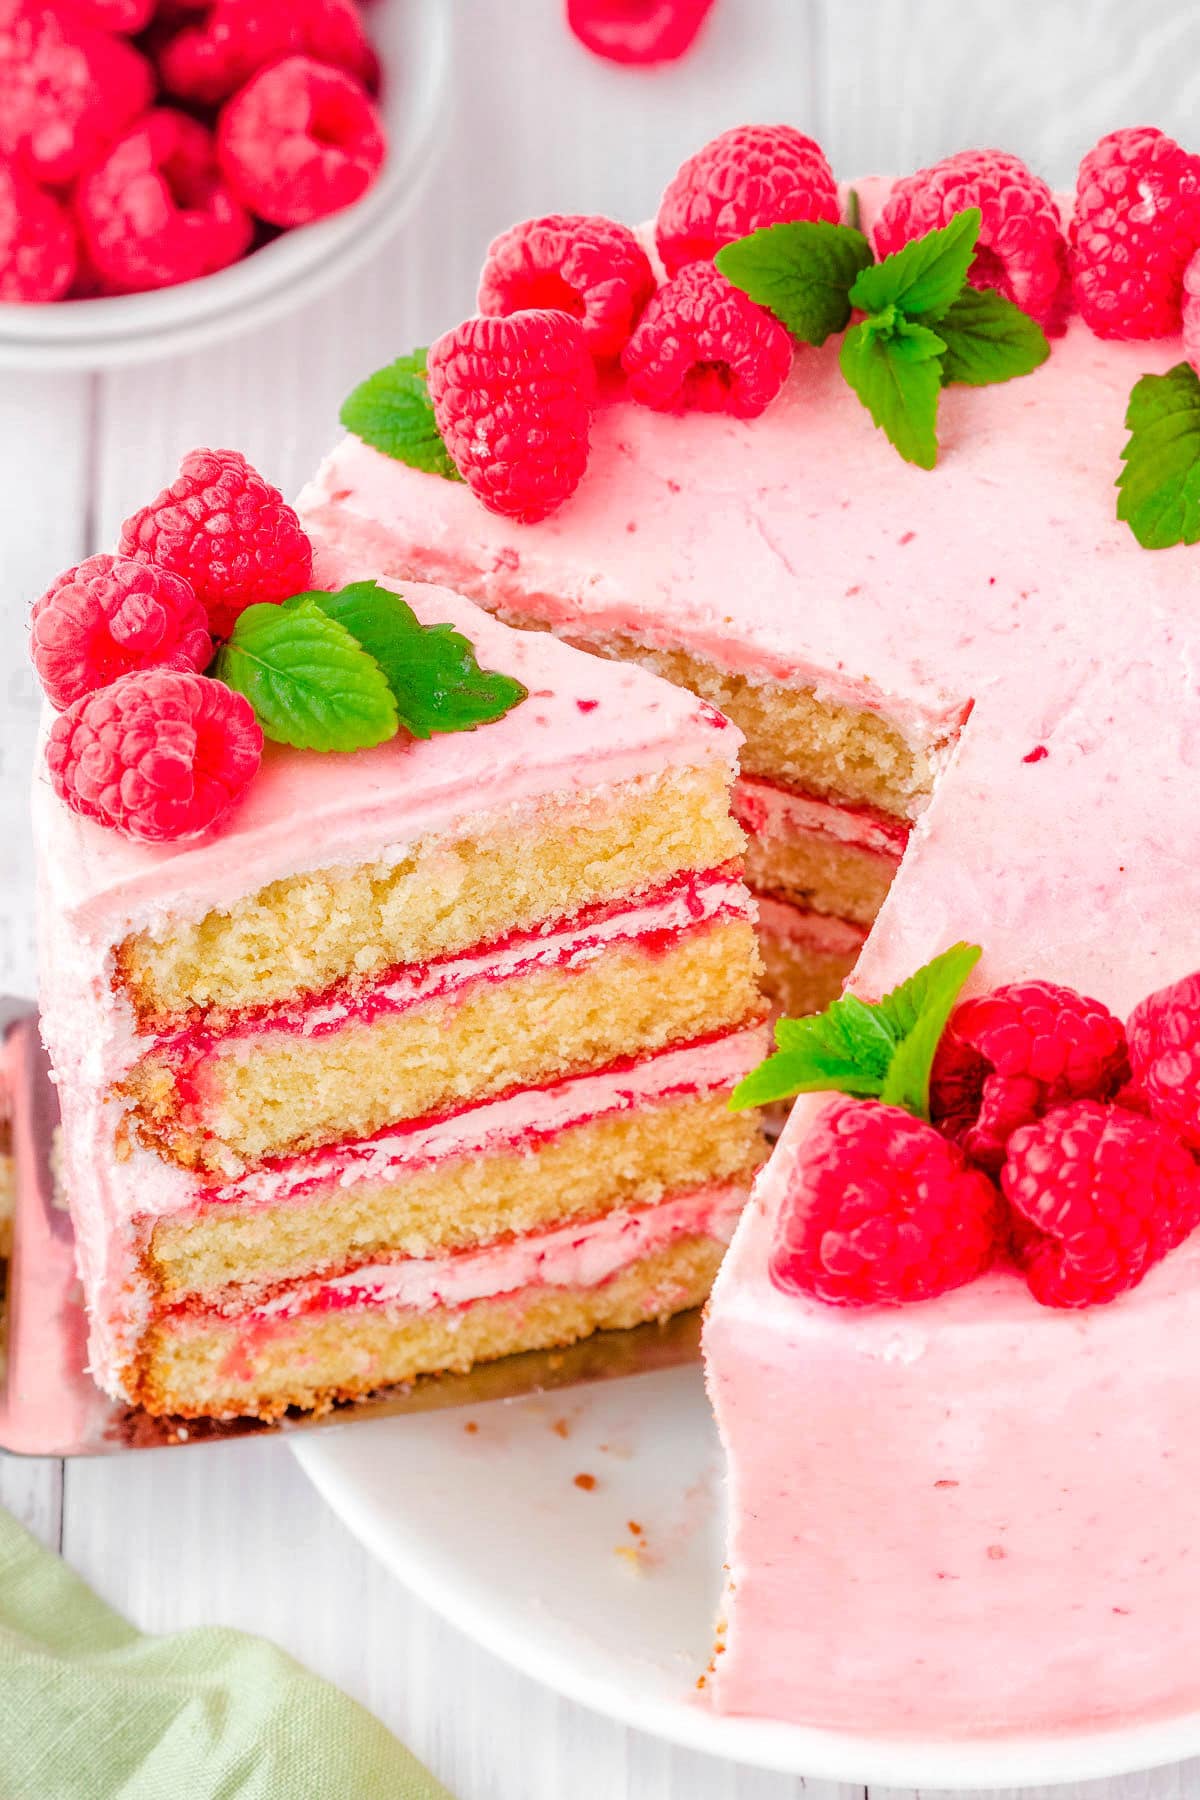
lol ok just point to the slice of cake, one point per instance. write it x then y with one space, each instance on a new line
420 1054
939 573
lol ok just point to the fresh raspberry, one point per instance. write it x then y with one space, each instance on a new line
111 615
1164 1055
702 345
156 211
513 400
224 43
300 141
68 89
1009 1056
1191 312
125 17
592 268
159 755
1020 251
38 254
227 531
881 1209
1099 1196
637 31
1135 226
751 176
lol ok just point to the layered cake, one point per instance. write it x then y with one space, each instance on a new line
903 481
391 1058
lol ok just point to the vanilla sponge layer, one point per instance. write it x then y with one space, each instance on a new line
841 753
280 1093
583 1171
302 934
195 1366
821 874
807 957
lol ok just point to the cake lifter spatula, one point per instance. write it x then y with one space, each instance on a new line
49 1404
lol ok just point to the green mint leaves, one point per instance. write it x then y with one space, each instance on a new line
308 679
924 326
803 273
436 682
1159 485
346 671
391 410
883 1050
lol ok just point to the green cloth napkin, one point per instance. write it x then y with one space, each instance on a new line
92 1710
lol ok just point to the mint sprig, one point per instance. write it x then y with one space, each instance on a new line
431 670
391 410
802 272
881 1050
1159 484
923 328
347 670
310 682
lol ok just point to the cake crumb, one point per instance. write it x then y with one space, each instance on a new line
470 1425
634 1527
586 1482
561 1428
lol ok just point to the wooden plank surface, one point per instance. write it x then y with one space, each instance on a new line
235 1533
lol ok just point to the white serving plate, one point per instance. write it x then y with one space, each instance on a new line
413 38
489 1528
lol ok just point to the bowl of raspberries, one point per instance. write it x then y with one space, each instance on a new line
175 171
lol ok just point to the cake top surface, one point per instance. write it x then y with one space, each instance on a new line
584 724
999 588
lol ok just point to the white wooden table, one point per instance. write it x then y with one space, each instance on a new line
234 1533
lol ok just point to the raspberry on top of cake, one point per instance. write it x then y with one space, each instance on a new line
396 967
902 477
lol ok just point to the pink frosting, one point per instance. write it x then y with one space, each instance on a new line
780 815
821 933
970 1515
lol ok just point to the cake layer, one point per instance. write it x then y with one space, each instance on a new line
625 1159
823 858
307 931
567 1007
972 1515
807 957
196 1365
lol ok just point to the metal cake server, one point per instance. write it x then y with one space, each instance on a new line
49 1404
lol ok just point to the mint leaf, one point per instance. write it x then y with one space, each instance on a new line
802 272
917 1012
1160 483
895 369
436 682
883 1050
310 682
391 410
924 276
989 339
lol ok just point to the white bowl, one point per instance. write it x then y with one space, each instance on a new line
413 40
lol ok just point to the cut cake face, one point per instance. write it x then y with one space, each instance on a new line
421 1057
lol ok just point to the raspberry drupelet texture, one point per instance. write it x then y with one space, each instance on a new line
300 141
882 1209
592 268
125 17
752 176
1135 226
1021 251
1190 320
1164 1055
513 400
227 531
215 51
156 209
637 31
1099 1196
160 755
702 345
68 90
1009 1056
110 616
38 253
